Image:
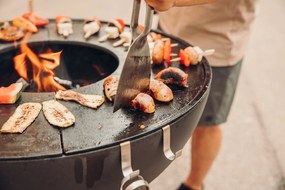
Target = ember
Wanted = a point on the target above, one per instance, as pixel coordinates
(39, 68)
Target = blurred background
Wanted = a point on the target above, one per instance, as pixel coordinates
(253, 150)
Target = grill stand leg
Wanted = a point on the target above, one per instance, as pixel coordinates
(132, 179)
(166, 145)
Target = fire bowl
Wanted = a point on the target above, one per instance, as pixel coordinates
(88, 154)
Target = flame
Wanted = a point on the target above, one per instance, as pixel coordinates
(42, 67)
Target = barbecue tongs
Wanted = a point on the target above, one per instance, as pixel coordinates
(135, 76)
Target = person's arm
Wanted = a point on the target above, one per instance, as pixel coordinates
(163, 5)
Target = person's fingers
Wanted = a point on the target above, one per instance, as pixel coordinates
(160, 5)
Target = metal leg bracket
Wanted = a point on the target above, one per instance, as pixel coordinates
(132, 179)
(166, 145)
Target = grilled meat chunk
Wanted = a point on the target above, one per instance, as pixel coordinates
(143, 102)
(92, 101)
(158, 52)
(23, 117)
(57, 114)
(110, 87)
(160, 91)
(172, 75)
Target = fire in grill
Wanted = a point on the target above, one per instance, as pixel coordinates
(87, 155)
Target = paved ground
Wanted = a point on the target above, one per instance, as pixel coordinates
(253, 153)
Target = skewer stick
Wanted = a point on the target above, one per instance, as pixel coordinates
(127, 44)
(209, 52)
(103, 38)
(173, 54)
(31, 6)
(119, 42)
(87, 34)
(175, 59)
(174, 45)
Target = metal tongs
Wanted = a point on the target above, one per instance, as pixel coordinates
(135, 76)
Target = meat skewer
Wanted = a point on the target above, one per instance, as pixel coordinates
(22, 118)
(192, 55)
(110, 86)
(57, 114)
(162, 51)
(91, 26)
(36, 20)
(113, 30)
(25, 24)
(144, 103)
(64, 25)
(173, 75)
(92, 101)
(10, 33)
(158, 52)
(160, 91)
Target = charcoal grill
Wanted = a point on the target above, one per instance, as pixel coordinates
(88, 154)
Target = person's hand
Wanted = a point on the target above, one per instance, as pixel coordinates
(161, 5)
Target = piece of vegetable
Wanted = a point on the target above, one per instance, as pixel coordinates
(24, 23)
(167, 51)
(36, 20)
(184, 58)
(10, 94)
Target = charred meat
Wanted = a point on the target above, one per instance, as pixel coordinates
(92, 101)
(110, 87)
(144, 103)
(160, 91)
(172, 75)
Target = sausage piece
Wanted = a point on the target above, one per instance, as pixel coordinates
(172, 75)
(160, 91)
(144, 103)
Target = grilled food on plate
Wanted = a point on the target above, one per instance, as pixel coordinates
(92, 101)
(57, 114)
(23, 117)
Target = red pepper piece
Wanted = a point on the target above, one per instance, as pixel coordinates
(122, 23)
(184, 58)
(36, 20)
(167, 51)
(157, 37)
